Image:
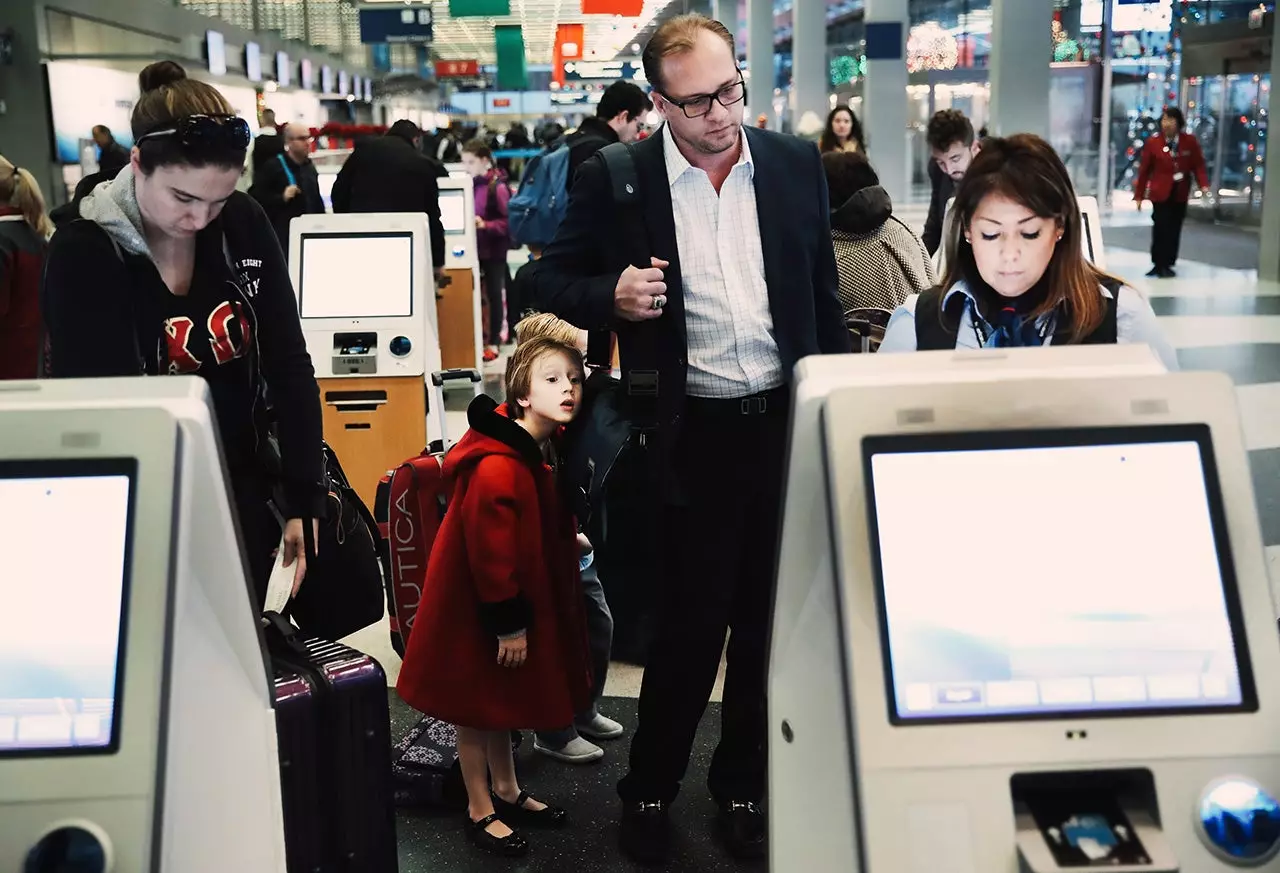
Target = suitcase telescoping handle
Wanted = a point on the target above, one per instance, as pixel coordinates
(438, 380)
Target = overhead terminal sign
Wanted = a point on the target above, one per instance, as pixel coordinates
(403, 24)
(584, 71)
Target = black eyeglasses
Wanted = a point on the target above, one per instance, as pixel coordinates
(700, 104)
(206, 132)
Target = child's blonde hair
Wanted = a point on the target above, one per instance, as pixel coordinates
(520, 366)
(19, 189)
(544, 324)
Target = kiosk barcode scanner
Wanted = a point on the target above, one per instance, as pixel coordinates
(1023, 620)
(364, 283)
(137, 731)
(458, 298)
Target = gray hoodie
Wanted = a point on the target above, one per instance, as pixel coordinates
(113, 206)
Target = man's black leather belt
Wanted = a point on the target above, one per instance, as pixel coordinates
(771, 402)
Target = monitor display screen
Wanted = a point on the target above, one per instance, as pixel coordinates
(217, 51)
(356, 275)
(326, 79)
(1041, 574)
(253, 62)
(283, 69)
(306, 75)
(453, 211)
(62, 610)
(344, 83)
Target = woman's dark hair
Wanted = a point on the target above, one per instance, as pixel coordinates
(479, 148)
(1176, 114)
(1025, 169)
(847, 174)
(167, 97)
(830, 142)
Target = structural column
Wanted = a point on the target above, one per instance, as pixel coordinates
(1022, 48)
(1269, 248)
(760, 57)
(884, 95)
(809, 73)
(24, 117)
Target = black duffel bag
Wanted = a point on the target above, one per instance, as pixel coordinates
(342, 592)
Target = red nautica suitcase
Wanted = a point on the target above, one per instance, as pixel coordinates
(410, 505)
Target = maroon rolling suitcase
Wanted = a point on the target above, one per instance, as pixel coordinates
(334, 734)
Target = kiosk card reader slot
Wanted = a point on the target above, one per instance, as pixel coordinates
(355, 354)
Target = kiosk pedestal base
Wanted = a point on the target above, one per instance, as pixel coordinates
(374, 424)
(458, 314)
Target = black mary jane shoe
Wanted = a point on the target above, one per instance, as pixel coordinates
(551, 818)
(743, 828)
(511, 846)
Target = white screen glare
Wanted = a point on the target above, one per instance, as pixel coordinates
(60, 610)
(453, 211)
(1040, 580)
(356, 275)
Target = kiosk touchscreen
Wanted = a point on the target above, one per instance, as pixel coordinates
(458, 299)
(1038, 635)
(136, 722)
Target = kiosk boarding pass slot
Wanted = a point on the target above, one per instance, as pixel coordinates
(356, 401)
(1081, 820)
(355, 354)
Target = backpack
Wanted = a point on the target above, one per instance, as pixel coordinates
(536, 211)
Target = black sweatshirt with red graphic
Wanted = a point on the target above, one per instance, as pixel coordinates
(109, 313)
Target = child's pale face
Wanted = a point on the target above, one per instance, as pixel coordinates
(555, 392)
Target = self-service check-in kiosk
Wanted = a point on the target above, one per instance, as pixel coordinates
(458, 298)
(137, 733)
(1023, 621)
(363, 283)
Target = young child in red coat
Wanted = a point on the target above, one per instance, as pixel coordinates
(500, 639)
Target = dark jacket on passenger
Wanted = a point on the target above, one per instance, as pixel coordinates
(269, 185)
(592, 135)
(69, 212)
(113, 158)
(22, 254)
(265, 148)
(944, 188)
(109, 313)
(577, 274)
(388, 174)
(881, 261)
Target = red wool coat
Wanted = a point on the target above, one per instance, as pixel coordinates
(505, 558)
(1160, 162)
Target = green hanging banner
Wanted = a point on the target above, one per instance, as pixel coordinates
(479, 8)
(508, 39)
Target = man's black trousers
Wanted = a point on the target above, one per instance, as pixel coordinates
(719, 550)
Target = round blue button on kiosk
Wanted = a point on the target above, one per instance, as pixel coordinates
(1239, 821)
(401, 346)
(68, 849)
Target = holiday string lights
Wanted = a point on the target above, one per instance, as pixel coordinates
(929, 47)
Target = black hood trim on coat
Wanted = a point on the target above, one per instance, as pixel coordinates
(484, 418)
(864, 212)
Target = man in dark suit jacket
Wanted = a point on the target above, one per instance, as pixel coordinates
(619, 116)
(736, 283)
(112, 157)
(390, 174)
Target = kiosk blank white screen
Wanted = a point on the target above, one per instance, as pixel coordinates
(63, 550)
(453, 211)
(1052, 579)
(359, 275)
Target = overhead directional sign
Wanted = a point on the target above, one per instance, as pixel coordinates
(580, 71)
(403, 24)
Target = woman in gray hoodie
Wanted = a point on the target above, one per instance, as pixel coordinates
(880, 260)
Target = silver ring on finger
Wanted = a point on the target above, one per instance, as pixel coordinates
(658, 301)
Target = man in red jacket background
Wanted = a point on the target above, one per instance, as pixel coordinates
(1169, 164)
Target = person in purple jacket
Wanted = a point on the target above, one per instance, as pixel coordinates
(493, 239)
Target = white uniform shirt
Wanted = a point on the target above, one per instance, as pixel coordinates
(732, 350)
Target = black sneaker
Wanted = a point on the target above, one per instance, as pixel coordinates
(743, 828)
(646, 832)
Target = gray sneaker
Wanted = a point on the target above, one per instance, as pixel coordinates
(576, 751)
(600, 728)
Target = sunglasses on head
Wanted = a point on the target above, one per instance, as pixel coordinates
(206, 132)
